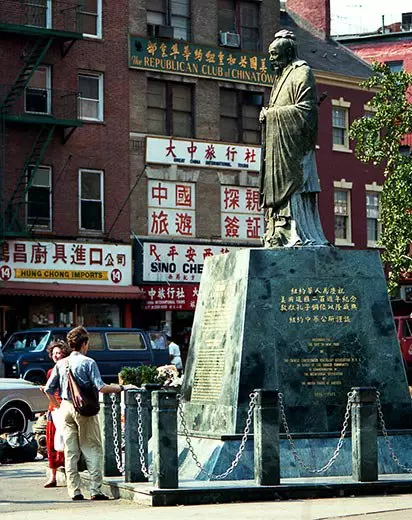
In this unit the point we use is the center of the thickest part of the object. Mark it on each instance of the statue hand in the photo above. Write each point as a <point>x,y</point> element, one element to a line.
<point>262,115</point>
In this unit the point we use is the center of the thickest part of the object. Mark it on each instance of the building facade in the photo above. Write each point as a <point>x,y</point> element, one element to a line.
<point>64,174</point>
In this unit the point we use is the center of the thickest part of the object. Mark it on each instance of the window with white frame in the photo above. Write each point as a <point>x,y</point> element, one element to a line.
<point>91,208</point>
<point>38,13</point>
<point>340,125</point>
<point>169,18</point>
<point>373,226</point>
<point>39,197</point>
<point>91,18</point>
<point>342,213</point>
<point>37,94</point>
<point>91,96</point>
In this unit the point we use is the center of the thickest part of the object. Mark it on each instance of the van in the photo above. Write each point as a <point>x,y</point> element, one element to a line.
<point>26,357</point>
<point>404,332</point>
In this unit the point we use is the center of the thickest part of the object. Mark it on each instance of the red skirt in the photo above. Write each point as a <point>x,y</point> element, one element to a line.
<point>55,458</point>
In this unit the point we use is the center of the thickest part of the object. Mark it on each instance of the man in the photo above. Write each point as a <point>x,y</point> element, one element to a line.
<point>289,183</point>
<point>81,434</point>
<point>174,354</point>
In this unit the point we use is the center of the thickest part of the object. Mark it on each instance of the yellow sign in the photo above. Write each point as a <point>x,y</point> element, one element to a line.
<point>60,274</point>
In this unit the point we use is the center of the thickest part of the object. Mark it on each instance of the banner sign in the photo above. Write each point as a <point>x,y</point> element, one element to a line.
<point>170,297</point>
<point>204,154</point>
<point>66,262</point>
<point>166,262</point>
<point>240,213</point>
<point>202,61</point>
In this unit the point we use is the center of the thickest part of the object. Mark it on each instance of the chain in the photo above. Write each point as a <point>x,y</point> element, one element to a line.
<point>338,447</point>
<point>147,472</point>
<point>235,462</point>
<point>386,436</point>
<point>116,446</point>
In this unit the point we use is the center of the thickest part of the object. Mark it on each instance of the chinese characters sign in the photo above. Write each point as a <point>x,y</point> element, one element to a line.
<point>241,217</point>
<point>171,297</point>
<point>178,57</point>
<point>165,262</point>
<point>171,207</point>
<point>66,262</point>
<point>165,150</point>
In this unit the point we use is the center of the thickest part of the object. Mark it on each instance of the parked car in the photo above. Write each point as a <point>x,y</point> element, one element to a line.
<point>404,332</point>
<point>25,354</point>
<point>19,402</point>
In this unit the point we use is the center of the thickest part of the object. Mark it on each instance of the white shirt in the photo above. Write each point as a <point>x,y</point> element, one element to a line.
<point>174,351</point>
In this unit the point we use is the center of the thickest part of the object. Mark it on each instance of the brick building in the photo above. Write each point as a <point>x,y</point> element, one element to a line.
<point>66,253</point>
<point>199,75</point>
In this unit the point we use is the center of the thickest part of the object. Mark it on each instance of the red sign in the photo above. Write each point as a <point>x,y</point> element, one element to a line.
<point>172,297</point>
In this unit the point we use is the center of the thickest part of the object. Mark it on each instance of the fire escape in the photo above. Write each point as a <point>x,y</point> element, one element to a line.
<point>41,24</point>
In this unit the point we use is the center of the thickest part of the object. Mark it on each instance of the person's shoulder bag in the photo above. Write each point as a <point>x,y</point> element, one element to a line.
<point>85,398</point>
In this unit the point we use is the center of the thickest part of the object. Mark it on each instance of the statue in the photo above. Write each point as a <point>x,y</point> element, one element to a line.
<point>289,182</point>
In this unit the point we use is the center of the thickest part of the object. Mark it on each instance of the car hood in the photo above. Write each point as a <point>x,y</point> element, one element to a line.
<point>8,382</point>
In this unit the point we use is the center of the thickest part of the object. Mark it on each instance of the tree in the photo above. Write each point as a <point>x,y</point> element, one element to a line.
<point>378,139</point>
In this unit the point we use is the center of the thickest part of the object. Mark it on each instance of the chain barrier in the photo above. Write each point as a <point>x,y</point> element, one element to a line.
<point>235,462</point>
<point>117,451</point>
<point>386,436</point>
<point>338,447</point>
<point>147,471</point>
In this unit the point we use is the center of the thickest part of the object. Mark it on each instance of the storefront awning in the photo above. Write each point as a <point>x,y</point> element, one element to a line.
<point>60,290</point>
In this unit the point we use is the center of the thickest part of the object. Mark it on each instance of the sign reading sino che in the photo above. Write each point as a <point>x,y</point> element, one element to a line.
<point>180,57</point>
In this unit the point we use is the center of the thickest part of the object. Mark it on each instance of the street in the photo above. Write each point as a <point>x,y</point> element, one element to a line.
<point>22,497</point>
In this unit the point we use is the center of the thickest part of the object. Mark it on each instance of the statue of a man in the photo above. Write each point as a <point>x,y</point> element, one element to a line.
<point>289,182</point>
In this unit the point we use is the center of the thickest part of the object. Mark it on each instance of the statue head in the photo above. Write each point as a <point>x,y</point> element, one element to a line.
<point>282,50</point>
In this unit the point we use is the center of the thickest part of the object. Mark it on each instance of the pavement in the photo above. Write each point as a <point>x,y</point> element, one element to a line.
<point>22,497</point>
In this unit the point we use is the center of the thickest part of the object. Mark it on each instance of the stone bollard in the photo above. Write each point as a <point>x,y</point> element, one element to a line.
<point>106,424</point>
<point>364,435</point>
<point>132,464</point>
<point>266,438</point>
<point>164,424</point>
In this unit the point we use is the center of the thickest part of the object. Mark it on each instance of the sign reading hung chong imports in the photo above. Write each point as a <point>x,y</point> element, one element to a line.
<point>180,57</point>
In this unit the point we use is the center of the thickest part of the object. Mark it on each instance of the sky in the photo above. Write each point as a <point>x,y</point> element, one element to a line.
<point>358,16</point>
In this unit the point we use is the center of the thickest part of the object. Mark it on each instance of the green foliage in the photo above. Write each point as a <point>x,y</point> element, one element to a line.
<point>139,376</point>
<point>377,141</point>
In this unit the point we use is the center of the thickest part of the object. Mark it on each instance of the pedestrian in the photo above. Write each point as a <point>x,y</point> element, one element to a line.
<point>81,434</point>
<point>174,354</point>
<point>57,350</point>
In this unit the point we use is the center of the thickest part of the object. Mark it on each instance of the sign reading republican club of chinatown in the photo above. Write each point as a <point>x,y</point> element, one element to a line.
<point>66,262</point>
<point>166,262</point>
<point>204,154</point>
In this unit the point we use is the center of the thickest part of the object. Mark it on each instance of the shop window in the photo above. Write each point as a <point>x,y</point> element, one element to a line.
<point>340,125</point>
<point>342,211</point>
<point>169,108</point>
<point>169,19</point>
<point>239,116</point>
<point>99,315</point>
<point>39,198</point>
<point>37,94</point>
<point>91,200</point>
<point>125,341</point>
<point>91,96</point>
<point>373,225</point>
<point>238,24</point>
<point>91,18</point>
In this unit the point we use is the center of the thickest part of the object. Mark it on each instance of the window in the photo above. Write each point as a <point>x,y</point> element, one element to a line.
<point>373,225</point>
<point>39,198</point>
<point>242,18</point>
<point>169,108</point>
<point>340,125</point>
<point>91,18</point>
<point>169,18</point>
<point>395,66</point>
<point>38,13</point>
<point>91,200</point>
<point>37,94</point>
<point>125,341</point>
<point>342,212</point>
<point>95,341</point>
<point>239,116</point>
<point>91,96</point>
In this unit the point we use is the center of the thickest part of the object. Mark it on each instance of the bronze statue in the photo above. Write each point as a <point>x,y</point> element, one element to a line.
<point>289,182</point>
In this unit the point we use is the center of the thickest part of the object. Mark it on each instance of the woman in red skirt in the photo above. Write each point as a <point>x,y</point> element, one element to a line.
<point>57,350</point>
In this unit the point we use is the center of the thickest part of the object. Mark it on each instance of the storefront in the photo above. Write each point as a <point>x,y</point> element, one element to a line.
<point>65,284</point>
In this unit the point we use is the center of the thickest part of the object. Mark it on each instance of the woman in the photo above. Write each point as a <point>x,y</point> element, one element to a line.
<point>56,350</point>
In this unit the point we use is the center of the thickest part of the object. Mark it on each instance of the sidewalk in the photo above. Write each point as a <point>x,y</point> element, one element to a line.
<point>22,497</point>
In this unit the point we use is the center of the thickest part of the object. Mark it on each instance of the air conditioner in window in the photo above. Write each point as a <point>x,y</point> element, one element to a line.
<point>160,31</point>
<point>229,39</point>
